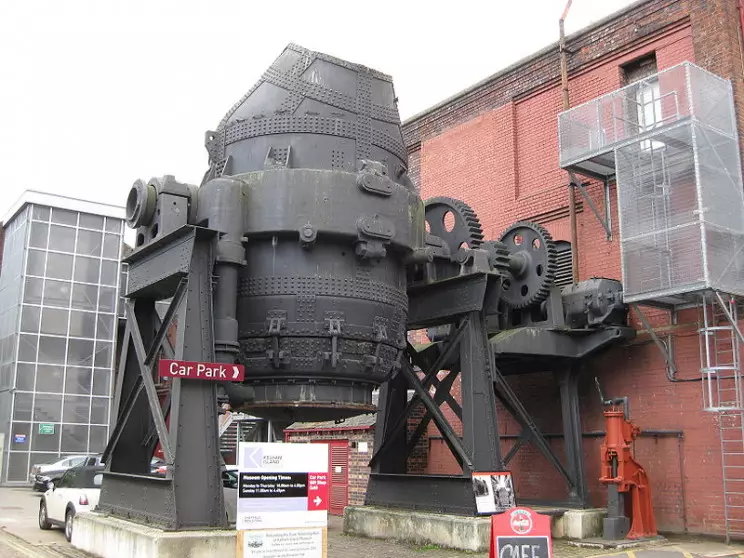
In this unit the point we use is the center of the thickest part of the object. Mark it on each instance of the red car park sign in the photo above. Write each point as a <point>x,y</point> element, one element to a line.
<point>317,491</point>
<point>201,370</point>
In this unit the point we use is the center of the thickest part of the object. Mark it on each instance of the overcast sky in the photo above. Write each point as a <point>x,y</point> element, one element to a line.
<point>97,93</point>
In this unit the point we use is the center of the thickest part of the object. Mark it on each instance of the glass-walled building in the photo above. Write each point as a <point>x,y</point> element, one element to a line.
<point>59,298</point>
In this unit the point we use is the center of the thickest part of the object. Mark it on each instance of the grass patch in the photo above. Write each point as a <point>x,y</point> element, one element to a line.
<point>426,547</point>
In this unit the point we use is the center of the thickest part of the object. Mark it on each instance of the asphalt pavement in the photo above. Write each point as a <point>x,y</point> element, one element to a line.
<point>20,537</point>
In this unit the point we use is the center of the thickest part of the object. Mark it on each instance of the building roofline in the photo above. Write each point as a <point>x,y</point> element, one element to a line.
<point>553,47</point>
<point>63,202</point>
<point>289,429</point>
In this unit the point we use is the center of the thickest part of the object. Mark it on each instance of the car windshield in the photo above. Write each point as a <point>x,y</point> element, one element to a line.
<point>82,477</point>
<point>230,479</point>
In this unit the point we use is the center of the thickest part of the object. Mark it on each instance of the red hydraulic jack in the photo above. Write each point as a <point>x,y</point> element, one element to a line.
<point>629,510</point>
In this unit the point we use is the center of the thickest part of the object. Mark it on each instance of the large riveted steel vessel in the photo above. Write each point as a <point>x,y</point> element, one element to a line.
<point>309,191</point>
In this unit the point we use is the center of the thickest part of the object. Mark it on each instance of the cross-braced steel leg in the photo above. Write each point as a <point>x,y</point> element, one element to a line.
<point>185,424</point>
<point>441,395</point>
<point>531,432</point>
<point>479,421</point>
<point>476,450</point>
<point>400,420</point>
<point>568,381</point>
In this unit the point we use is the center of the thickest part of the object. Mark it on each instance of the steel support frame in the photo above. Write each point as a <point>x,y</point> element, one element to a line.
<point>191,495</point>
<point>530,431</point>
<point>478,450</point>
<point>568,383</point>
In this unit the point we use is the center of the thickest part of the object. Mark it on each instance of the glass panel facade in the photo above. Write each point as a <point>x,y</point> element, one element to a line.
<point>59,288</point>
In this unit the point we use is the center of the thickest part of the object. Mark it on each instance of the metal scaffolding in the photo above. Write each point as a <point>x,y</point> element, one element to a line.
<point>671,142</point>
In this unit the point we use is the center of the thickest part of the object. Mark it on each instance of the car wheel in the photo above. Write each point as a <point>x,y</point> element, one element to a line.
<point>68,524</point>
<point>43,518</point>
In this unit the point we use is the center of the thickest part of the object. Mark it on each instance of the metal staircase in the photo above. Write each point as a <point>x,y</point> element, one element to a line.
<point>225,421</point>
<point>720,353</point>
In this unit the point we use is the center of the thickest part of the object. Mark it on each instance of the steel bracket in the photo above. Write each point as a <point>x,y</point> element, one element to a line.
<point>334,329</point>
<point>665,346</point>
<point>604,220</point>
<point>277,322</point>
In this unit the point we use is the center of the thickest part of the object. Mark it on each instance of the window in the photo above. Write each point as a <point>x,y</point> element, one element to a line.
<point>68,479</point>
<point>643,108</point>
<point>62,239</point>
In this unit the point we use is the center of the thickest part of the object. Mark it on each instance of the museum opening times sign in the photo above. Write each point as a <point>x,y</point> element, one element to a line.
<point>313,487</point>
<point>282,508</point>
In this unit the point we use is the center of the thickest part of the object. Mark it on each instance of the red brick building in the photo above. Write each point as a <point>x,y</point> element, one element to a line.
<point>495,146</point>
<point>351,445</point>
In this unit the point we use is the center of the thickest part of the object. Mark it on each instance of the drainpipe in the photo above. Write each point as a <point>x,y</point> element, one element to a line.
<point>571,187</point>
<point>740,32</point>
<point>740,7</point>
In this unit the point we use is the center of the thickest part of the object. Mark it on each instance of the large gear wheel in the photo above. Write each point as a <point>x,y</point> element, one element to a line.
<point>454,222</point>
<point>532,264</point>
<point>498,256</point>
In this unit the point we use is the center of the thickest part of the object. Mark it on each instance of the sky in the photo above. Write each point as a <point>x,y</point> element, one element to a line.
<point>95,94</point>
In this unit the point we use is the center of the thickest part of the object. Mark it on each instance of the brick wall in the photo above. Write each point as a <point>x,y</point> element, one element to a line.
<point>358,461</point>
<point>495,147</point>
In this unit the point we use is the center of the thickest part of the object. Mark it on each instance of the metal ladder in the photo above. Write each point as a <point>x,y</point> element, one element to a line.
<point>722,394</point>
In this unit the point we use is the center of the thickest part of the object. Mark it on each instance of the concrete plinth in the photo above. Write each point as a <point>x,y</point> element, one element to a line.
<point>579,524</point>
<point>109,537</point>
<point>449,531</point>
<point>454,531</point>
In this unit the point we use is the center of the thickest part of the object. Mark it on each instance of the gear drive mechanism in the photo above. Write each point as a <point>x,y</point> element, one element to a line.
<point>532,264</point>
<point>454,222</point>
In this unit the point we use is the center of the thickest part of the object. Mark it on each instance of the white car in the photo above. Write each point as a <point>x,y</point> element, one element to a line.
<point>76,492</point>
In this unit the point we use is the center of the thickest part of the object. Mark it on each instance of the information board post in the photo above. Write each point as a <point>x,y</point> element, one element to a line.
<point>282,507</point>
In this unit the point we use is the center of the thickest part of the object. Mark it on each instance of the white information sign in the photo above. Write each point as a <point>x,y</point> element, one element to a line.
<point>284,543</point>
<point>282,486</point>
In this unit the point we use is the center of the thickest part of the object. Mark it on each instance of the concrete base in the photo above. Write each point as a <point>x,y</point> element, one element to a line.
<point>449,531</point>
<point>108,537</point>
<point>579,524</point>
<point>618,544</point>
<point>454,531</point>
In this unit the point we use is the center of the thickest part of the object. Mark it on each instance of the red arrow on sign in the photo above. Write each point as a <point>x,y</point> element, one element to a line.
<point>317,491</point>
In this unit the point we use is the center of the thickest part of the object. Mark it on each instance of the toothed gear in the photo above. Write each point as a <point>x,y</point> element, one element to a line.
<point>466,230</point>
<point>531,246</point>
<point>498,256</point>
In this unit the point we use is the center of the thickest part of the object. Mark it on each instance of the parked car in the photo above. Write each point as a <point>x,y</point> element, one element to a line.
<point>230,482</point>
<point>229,488</point>
<point>41,476</point>
<point>157,466</point>
<point>77,491</point>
